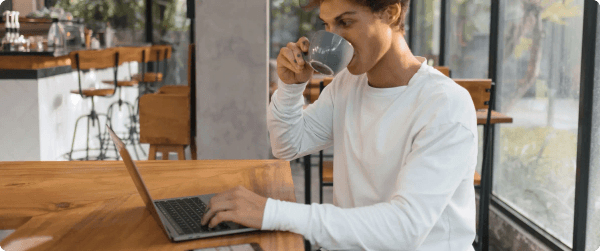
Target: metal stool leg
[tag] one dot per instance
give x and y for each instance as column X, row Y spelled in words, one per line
column 75, row 133
column 131, row 128
column 101, row 155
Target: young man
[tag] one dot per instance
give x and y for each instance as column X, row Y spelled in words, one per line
column 404, row 138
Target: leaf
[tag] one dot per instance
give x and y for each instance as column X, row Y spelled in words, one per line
column 524, row 45
column 558, row 11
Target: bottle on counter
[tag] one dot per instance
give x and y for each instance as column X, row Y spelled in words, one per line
column 12, row 35
column 55, row 36
column 17, row 25
column 8, row 28
column 81, row 28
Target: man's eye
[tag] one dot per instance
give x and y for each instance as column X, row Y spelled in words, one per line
column 344, row 23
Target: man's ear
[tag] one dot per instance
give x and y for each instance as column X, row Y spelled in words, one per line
column 391, row 14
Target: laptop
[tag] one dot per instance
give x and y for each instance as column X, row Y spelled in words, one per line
column 179, row 217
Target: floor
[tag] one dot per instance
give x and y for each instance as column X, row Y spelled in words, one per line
column 297, row 176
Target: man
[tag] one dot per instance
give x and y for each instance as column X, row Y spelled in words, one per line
column 404, row 138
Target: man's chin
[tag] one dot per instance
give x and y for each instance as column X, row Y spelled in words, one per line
column 354, row 71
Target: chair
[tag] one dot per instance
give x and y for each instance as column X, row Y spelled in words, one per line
column 86, row 60
column 128, row 54
column 482, row 93
column 158, row 54
column 166, row 117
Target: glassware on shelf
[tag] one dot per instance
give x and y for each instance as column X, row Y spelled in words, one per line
column 56, row 36
column 8, row 34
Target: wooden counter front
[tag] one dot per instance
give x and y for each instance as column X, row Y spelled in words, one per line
column 32, row 62
column 95, row 205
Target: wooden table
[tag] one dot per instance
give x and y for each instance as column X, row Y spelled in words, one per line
column 95, row 205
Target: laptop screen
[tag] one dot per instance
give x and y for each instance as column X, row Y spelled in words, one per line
column 135, row 174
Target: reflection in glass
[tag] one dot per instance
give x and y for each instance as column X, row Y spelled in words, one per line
column 539, row 87
column 468, row 30
column 427, row 30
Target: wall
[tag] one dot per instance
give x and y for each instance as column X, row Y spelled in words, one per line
column 232, row 83
column 24, row 6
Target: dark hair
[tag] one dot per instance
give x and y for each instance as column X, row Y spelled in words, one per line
column 376, row 6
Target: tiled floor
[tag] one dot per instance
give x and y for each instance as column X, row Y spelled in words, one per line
column 297, row 175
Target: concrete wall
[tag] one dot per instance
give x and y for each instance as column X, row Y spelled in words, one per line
column 24, row 6
column 231, row 79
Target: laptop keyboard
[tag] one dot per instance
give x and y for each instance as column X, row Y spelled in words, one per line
column 186, row 215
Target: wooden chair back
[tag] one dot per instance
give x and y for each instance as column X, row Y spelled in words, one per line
column 94, row 59
column 160, row 52
column 165, row 119
column 134, row 54
column 443, row 69
column 480, row 90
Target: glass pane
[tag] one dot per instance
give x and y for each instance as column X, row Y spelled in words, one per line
column 171, row 26
column 289, row 22
column 406, row 24
column 468, row 32
column 427, row 30
column 125, row 17
column 538, row 87
column 592, row 242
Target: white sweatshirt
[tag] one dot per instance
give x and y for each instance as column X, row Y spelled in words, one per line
column 404, row 159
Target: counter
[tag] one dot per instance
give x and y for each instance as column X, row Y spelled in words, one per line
column 37, row 110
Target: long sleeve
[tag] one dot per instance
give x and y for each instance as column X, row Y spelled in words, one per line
column 442, row 158
column 293, row 131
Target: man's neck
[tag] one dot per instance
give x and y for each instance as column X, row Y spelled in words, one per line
column 395, row 68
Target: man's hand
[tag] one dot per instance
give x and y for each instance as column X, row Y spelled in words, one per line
column 291, row 67
column 238, row 205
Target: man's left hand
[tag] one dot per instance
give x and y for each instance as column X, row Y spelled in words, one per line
column 238, row 205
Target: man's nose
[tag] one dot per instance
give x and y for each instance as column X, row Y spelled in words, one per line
column 337, row 32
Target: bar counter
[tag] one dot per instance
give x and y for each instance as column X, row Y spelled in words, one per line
column 37, row 105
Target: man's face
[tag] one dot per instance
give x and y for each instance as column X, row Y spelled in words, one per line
column 370, row 37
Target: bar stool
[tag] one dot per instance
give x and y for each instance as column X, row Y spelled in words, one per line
column 176, row 104
column 128, row 54
column 86, row 60
column 158, row 54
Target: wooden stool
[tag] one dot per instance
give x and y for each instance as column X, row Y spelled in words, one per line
column 165, row 122
column 165, row 150
column 128, row 54
column 85, row 60
column 167, row 117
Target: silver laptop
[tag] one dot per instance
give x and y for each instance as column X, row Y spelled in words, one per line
column 179, row 217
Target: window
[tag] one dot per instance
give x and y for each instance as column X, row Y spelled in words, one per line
column 427, row 30
column 538, row 85
column 288, row 23
column 468, row 29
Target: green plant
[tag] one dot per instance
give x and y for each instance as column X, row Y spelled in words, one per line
column 125, row 13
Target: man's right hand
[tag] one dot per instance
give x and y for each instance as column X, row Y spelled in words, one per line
column 291, row 68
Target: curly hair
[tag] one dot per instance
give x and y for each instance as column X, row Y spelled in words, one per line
column 376, row 6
